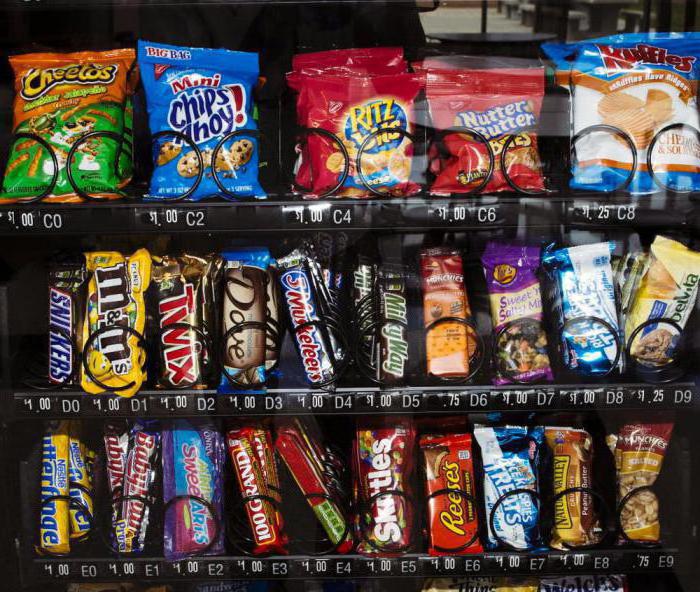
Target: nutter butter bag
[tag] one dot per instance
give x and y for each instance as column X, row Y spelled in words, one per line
column 193, row 465
column 639, row 83
column 59, row 98
column 667, row 291
column 115, row 299
column 54, row 525
column 66, row 310
column 503, row 105
column 576, row 523
column 181, row 289
column 516, row 313
column 449, row 481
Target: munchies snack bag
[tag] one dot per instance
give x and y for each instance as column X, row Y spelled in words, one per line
column 59, row 98
column 353, row 94
column 204, row 94
column 640, row 84
column 498, row 104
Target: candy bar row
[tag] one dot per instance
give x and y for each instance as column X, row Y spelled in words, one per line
column 220, row 320
column 185, row 488
column 361, row 115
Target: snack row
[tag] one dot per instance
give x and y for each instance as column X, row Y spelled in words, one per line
column 220, row 320
column 361, row 118
column 266, row 491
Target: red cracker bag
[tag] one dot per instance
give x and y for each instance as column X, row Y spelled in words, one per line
column 497, row 104
column 371, row 60
column 353, row 108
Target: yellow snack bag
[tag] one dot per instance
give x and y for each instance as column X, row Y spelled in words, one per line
column 54, row 537
column 81, row 484
column 667, row 291
column 115, row 356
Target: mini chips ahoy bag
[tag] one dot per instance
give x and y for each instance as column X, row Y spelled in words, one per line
column 645, row 86
column 196, row 98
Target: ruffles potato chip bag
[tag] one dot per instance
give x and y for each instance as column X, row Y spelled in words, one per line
column 60, row 98
column 639, row 84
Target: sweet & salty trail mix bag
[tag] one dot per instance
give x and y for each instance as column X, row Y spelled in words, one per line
column 203, row 95
column 59, row 98
column 640, row 84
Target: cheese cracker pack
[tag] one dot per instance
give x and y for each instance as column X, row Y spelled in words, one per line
column 639, row 84
column 60, row 98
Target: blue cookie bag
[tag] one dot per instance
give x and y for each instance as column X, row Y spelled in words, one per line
column 195, row 98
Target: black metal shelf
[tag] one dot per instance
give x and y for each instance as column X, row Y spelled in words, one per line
column 355, row 566
column 351, row 401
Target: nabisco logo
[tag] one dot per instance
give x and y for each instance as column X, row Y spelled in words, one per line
column 242, row 456
column 180, row 350
column 618, row 59
column 297, row 293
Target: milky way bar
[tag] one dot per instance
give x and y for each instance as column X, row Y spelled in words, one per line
column 394, row 319
column 66, row 303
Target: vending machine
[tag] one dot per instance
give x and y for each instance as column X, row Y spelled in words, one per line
column 349, row 296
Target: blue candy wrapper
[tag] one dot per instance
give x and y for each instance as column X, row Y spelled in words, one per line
column 193, row 465
column 584, row 280
column 640, row 84
column 510, row 456
column 204, row 94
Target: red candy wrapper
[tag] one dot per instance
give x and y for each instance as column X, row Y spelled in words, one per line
column 352, row 96
column 263, row 517
column 383, row 463
column 303, row 457
column 498, row 104
column 452, row 519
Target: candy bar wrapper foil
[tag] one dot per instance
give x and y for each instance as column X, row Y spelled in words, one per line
column 255, row 473
column 393, row 351
column 578, row 583
column 576, row 523
column 116, row 297
column 66, row 309
column 140, row 473
column 193, row 465
column 383, row 461
column 516, row 313
column 484, row 584
column 668, row 290
column 180, row 293
column 639, row 450
column 249, row 304
column 585, row 283
column 510, row 456
column 303, row 305
column 453, row 523
column 54, row 524
column 298, row 451
column 448, row 343
column 81, row 472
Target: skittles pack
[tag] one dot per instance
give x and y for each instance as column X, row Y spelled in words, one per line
column 202, row 118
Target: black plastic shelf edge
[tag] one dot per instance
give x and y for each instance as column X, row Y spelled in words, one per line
column 65, row 404
column 354, row 566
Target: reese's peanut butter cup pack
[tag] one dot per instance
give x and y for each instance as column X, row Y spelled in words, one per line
column 201, row 114
column 73, row 105
column 503, row 107
column 352, row 96
column 637, row 86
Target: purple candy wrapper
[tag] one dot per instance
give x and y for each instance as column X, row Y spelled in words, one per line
column 193, row 465
column 516, row 313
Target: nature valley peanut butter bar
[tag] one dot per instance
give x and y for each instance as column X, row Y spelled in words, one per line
column 59, row 98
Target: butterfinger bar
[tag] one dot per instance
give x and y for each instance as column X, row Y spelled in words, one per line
column 54, row 534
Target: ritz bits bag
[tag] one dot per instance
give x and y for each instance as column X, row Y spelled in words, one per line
column 498, row 104
column 59, row 98
column 115, row 299
column 203, row 94
column 353, row 94
column 639, row 83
